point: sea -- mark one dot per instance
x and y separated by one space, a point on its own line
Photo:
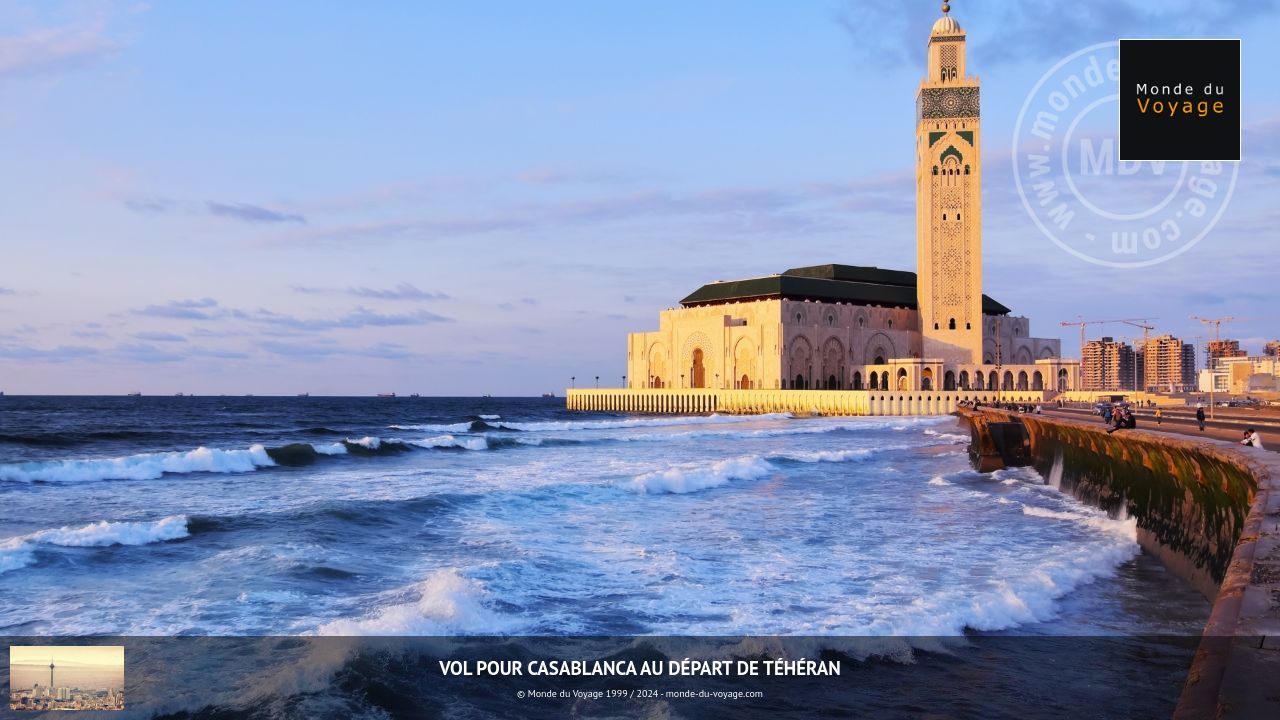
319 517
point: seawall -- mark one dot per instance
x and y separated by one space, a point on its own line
1210 510
806 402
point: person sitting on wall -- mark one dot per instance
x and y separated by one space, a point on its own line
1252 439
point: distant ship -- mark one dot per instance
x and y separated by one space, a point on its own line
548 395
304 394
415 395
386 395
135 394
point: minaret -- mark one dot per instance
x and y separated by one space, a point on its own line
51 674
949 201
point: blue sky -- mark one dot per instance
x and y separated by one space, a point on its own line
486 197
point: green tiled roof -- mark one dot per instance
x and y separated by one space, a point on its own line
827 283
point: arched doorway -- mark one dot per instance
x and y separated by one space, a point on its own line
745 382
799 382
964 379
884 380
992 381
832 383
857 380
656 381
698 372
1037 381
1022 379
875 380
902 379
926 379
977 381
948 380
1008 380
1062 379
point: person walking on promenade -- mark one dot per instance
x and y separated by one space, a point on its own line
1106 415
1200 416
1252 439
1159 416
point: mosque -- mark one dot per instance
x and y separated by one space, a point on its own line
844 327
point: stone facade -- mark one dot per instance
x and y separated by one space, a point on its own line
841 327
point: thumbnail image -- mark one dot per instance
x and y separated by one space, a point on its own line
66 677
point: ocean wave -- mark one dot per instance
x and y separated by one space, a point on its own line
144 466
446 603
689 479
571 425
460 427
17 552
693 477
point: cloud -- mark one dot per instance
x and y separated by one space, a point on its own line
358 318
150 206
202 309
320 350
62 353
160 337
402 291
526 301
49 50
8 291
254 213
144 353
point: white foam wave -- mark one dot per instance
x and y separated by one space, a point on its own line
1098 519
368 441
446 604
938 480
446 428
331 449
490 417
145 466
451 441
687 479
17 552
834 456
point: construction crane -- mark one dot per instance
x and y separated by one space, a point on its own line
1082 322
1216 323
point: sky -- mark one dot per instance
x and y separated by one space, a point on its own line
485 197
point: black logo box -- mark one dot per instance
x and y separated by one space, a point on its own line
1187 68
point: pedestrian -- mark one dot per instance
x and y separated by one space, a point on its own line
1106 415
1200 416
1159 416
1252 439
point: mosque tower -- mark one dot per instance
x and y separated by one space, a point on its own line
949 201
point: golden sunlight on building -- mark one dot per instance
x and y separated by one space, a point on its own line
861 329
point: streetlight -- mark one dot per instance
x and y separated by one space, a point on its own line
573 381
681 381
597 382
717 379
624 381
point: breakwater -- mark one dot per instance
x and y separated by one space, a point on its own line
1210 511
806 402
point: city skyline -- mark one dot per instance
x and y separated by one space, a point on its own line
424 200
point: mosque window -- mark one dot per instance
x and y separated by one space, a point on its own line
862 322
935 326
935 169
831 320
966 169
889 324
797 317
951 325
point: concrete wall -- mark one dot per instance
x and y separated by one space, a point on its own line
1210 511
808 402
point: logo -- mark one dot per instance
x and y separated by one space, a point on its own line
1082 196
